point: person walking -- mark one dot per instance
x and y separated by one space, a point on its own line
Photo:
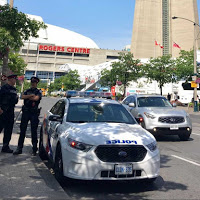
30 112
8 99
169 97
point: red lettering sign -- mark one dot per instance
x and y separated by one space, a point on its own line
41 47
60 48
54 48
76 50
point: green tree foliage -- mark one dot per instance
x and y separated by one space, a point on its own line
42 84
160 69
185 65
16 63
15 27
125 70
71 81
27 85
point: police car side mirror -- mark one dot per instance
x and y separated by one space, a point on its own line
131 104
56 118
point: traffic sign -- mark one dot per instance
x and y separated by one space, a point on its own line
193 84
3 78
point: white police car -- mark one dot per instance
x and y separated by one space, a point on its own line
97 139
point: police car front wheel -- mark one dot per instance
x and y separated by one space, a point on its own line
42 152
58 165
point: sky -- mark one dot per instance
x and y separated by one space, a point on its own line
108 22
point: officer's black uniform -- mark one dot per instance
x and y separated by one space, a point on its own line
30 112
8 99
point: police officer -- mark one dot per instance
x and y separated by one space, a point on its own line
30 112
8 99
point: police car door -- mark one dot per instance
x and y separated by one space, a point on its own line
54 127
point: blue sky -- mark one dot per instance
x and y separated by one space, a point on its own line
108 22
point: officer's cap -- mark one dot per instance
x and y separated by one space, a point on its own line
35 79
12 76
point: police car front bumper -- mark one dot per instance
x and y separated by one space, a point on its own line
87 166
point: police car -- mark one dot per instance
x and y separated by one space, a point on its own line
97 139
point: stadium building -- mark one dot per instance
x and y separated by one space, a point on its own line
57 47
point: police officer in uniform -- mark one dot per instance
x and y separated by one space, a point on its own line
30 112
8 99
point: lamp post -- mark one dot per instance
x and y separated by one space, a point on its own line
195 61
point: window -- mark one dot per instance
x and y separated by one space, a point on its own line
29 74
29 51
153 102
112 57
98 112
57 109
60 111
81 55
127 100
63 54
47 52
59 74
45 75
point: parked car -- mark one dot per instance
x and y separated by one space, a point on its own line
97 139
158 116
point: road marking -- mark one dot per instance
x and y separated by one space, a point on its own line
196 134
192 162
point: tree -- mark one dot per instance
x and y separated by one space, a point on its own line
185 65
125 70
160 69
16 63
16 27
70 81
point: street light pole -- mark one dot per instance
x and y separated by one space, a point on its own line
195 61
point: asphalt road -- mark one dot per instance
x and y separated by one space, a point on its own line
179 174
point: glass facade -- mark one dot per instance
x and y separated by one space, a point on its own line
44 75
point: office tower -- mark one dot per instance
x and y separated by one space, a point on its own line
155 33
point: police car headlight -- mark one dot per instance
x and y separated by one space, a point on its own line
148 115
152 146
79 145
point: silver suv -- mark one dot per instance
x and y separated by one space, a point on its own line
156 114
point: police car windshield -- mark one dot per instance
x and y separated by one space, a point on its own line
98 112
153 102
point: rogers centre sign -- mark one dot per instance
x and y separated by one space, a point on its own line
63 49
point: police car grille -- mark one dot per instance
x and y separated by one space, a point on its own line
171 120
111 153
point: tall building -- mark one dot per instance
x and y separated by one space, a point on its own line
155 32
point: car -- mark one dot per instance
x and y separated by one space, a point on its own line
97 139
156 114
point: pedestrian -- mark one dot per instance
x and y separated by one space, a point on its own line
169 97
30 112
8 99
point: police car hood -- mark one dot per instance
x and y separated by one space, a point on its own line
110 133
164 111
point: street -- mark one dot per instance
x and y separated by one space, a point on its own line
179 172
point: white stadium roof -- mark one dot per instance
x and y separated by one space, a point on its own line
61 37
85 71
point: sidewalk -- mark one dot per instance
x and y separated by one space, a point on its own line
25 176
